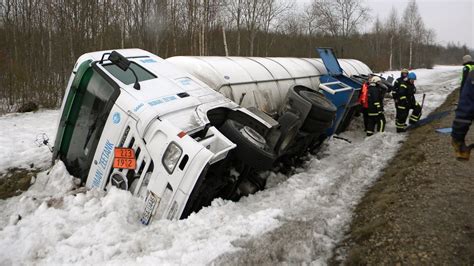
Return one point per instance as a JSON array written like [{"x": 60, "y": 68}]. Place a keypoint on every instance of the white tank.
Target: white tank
[{"x": 260, "y": 81}]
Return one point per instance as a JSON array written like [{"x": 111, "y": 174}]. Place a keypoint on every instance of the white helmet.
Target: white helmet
[
  {"x": 375, "y": 79},
  {"x": 466, "y": 59}
]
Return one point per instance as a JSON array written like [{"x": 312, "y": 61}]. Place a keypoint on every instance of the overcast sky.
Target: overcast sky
[{"x": 452, "y": 20}]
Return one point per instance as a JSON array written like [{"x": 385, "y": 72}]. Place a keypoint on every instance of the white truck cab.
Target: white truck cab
[{"x": 135, "y": 121}]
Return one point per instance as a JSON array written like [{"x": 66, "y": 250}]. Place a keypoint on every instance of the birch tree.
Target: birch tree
[
  {"x": 392, "y": 26},
  {"x": 235, "y": 9},
  {"x": 413, "y": 24},
  {"x": 253, "y": 16}
]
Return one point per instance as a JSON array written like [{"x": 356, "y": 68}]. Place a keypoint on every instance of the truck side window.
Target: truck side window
[
  {"x": 127, "y": 77},
  {"x": 93, "y": 108}
]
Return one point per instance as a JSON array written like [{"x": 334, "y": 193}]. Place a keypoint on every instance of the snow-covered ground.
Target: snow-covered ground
[
  {"x": 18, "y": 135},
  {"x": 93, "y": 227}
]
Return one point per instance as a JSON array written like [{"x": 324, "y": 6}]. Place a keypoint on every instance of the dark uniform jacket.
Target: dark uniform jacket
[
  {"x": 375, "y": 99},
  {"x": 405, "y": 93},
  {"x": 396, "y": 84},
  {"x": 465, "y": 109},
  {"x": 468, "y": 67}
]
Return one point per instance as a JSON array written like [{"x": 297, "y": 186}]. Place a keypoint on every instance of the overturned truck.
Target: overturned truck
[{"x": 182, "y": 131}]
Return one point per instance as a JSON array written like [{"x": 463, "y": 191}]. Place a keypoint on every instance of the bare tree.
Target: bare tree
[
  {"x": 235, "y": 10},
  {"x": 414, "y": 26},
  {"x": 292, "y": 24},
  {"x": 328, "y": 16},
  {"x": 392, "y": 27},
  {"x": 41, "y": 39},
  {"x": 378, "y": 34},
  {"x": 272, "y": 10},
  {"x": 253, "y": 13},
  {"x": 310, "y": 20},
  {"x": 341, "y": 17},
  {"x": 311, "y": 26}
]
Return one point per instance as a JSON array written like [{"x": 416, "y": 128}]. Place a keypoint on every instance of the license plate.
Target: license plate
[
  {"x": 150, "y": 203},
  {"x": 124, "y": 158}
]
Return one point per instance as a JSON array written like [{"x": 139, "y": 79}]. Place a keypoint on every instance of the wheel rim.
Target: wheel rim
[
  {"x": 287, "y": 140},
  {"x": 253, "y": 136}
]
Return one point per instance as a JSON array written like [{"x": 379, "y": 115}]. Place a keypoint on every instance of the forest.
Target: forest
[{"x": 41, "y": 39}]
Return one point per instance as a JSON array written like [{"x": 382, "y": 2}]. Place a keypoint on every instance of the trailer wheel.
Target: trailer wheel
[
  {"x": 321, "y": 108},
  {"x": 252, "y": 149},
  {"x": 313, "y": 126},
  {"x": 290, "y": 123}
]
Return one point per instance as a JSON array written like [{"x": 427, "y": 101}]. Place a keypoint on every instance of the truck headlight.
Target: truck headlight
[{"x": 171, "y": 157}]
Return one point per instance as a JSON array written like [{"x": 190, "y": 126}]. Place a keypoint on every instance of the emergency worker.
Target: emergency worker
[
  {"x": 405, "y": 101},
  {"x": 468, "y": 67},
  {"x": 364, "y": 102},
  {"x": 400, "y": 80},
  {"x": 463, "y": 119},
  {"x": 375, "y": 112}
]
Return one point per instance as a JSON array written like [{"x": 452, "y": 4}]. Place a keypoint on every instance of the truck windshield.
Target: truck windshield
[{"x": 91, "y": 106}]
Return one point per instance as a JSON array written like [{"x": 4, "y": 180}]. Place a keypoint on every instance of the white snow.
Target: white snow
[
  {"x": 18, "y": 134},
  {"x": 57, "y": 227}
]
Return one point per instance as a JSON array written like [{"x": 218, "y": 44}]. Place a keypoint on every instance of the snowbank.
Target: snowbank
[{"x": 18, "y": 135}]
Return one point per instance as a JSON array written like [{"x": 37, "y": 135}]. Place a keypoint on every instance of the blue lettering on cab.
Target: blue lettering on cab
[
  {"x": 97, "y": 178},
  {"x": 138, "y": 107},
  {"x": 148, "y": 61},
  {"x": 163, "y": 100},
  {"x": 103, "y": 160}
]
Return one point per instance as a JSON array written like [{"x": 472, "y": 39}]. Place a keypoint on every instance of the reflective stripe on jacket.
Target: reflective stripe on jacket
[
  {"x": 465, "y": 72},
  {"x": 363, "y": 97},
  {"x": 375, "y": 100}
]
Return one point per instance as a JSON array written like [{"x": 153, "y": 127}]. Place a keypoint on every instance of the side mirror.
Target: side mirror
[
  {"x": 124, "y": 64},
  {"x": 119, "y": 60}
]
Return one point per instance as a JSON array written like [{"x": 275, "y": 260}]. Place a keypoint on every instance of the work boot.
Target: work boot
[
  {"x": 461, "y": 151},
  {"x": 401, "y": 130}
]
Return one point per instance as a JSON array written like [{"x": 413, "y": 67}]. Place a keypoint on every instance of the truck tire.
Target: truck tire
[
  {"x": 321, "y": 108},
  {"x": 252, "y": 149},
  {"x": 290, "y": 123},
  {"x": 313, "y": 126}
]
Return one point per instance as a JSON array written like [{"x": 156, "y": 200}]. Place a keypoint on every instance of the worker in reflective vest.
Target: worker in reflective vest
[
  {"x": 404, "y": 101},
  {"x": 468, "y": 67},
  {"x": 396, "y": 85},
  {"x": 364, "y": 102},
  {"x": 375, "y": 112},
  {"x": 400, "y": 80},
  {"x": 463, "y": 120}
]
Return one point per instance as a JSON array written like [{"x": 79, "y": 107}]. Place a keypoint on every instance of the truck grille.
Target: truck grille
[{"x": 136, "y": 177}]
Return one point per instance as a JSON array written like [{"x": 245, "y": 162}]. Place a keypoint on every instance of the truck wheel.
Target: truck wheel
[
  {"x": 252, "y": 149},
  {"x": 321, "y": 108},
  {"x": 311, "y": 125},
  {"x": 290, "y": 123}
]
